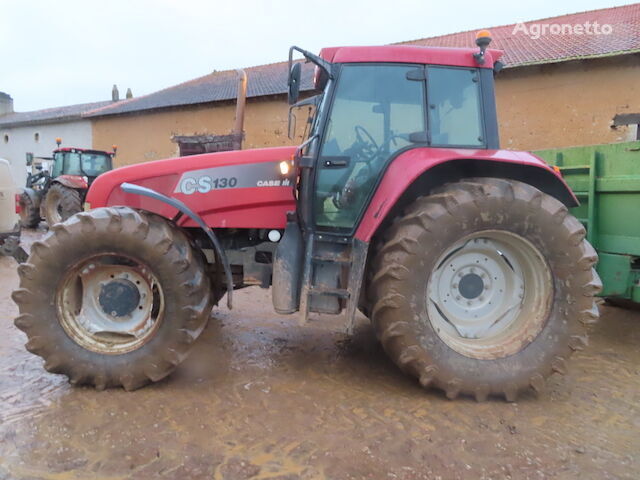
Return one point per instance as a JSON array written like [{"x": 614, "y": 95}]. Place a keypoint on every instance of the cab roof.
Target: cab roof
[
  {"x": 458, "y": 57},
  {"x": 83, "y": 150}
]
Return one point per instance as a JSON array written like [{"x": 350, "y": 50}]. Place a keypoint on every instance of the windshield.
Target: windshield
[
  {"x": 94, "y": 164},
  {"x": 74, "y": 163}
]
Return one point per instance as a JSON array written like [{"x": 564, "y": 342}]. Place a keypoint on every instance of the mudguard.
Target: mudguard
[
  {"x": 412, "y": 164},
  {"x": 72, "y": 181},
  {"x": 147, "y": 192}
]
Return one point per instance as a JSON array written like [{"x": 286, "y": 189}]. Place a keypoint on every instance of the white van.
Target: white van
[{"x": 9, "y": 218}]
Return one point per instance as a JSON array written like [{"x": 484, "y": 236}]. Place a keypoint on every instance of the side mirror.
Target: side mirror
[{"x": 294, "y": 82}]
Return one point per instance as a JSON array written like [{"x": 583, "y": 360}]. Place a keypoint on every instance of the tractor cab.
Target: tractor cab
[
  {"x": 373, "y": 104},
  {"x": 79, "y": 162}
]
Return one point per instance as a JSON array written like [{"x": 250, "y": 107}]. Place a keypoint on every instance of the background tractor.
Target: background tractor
[
  {"x": 56, "y": 187},
  {"x": 399, "y": 203}
]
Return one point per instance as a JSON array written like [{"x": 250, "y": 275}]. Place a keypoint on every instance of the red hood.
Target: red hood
[
  {"x": 235, "y": 189},
  {"x": 163, "y": 175}
]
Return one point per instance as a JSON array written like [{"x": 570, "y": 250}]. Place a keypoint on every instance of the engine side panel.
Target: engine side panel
[
  {"x": 408, "y": 166},
  {"x": 237, "y": 189}
]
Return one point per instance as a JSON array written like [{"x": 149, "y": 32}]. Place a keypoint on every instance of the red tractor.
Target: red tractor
[
  {"x": 399, "y": 203},
  {"x": 57, "y": 194}
]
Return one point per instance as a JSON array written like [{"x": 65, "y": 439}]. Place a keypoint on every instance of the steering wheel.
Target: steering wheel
[
  {"x": 369, "y": 146},
  {"x": 367, "y": 149}
]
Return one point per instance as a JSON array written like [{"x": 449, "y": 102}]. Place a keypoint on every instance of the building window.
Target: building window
[
  {"x": 6, "y": 138},
  {"x": 36, "y": 137},
  {"x": 628, "y": 119}
]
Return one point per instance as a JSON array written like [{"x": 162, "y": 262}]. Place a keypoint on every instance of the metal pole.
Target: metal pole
[{"x": 241, "y": 101}]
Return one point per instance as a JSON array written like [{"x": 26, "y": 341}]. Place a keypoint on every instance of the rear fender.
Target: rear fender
[
  {"x": 72, "y": 181},
  {"x": 417, "y": 171}
]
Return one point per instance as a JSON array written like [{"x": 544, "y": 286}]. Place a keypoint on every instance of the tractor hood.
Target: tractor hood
[{"x": 236, "y": 189}]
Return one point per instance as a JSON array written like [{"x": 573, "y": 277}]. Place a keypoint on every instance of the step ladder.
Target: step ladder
[
  {"x": 589, "y": 195},
  {"x": 347, "y": 254}
]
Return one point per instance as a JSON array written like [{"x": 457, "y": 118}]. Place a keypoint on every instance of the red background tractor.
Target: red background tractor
[{"x": 57, "y": 194}]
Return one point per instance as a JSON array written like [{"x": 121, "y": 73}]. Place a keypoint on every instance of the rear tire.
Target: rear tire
[
  {"x": 29, "y": 212},
  {"x": 529, "y": 332},
  {"x": 60, "y": 203},
  {"x": 107, "y": 339}
]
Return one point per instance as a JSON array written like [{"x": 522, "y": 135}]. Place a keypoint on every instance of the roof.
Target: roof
[
  {"x": 49, "y": 115},
  {"x": 461, "y": 57},
  {"x": 524, "y": 44},
  {"x": 272, "y": 79},
  {"x": 520, "y": 45},
  {"x": 262, "y": 80},
  {"x": 520, "y": 42}
]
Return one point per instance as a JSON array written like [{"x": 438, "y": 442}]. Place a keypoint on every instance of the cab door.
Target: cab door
[{"x": 376, "y": 111}]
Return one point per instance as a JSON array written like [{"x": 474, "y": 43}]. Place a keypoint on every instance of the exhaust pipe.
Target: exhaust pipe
[{"x": 241, "y": 101}]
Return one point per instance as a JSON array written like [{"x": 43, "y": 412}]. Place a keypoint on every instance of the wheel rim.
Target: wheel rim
[
  {"x": 110, "y": 304},
  {"x": 489, "y": 295}
]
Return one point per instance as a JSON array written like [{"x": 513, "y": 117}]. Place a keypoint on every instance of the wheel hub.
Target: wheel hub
[
  {"x": 119, "y": 298},
  {"x": 471, "y": 286}
]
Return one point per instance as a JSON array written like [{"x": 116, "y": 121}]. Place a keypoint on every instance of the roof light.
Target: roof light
[
  {"x": 483, "y": 39},
  {"x": 483, "y": 34}
]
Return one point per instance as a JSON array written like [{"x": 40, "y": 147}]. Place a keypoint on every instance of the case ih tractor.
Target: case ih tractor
[
  {"x": 56, "y": 195},
  {"x": 399, "y": 203}
]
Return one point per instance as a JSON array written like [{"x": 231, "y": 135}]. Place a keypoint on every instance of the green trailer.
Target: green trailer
[{"x": 606, "y": 180}]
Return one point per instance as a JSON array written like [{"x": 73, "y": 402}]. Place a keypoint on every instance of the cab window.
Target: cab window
[
  {"x": 375, "y": 109},
  {"x": 455, "y": 117}
]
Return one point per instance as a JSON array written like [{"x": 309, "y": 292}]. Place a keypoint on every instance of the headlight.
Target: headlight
[{"x": 284, "y": 167}]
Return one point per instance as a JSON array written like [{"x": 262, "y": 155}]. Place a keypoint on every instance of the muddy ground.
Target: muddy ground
[{"x": 264, "y": 398}]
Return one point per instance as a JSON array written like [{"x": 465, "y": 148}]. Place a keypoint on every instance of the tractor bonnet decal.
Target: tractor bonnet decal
[{"x": 251, "y": 175}]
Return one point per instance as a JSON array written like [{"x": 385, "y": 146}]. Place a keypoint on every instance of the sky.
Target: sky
[{"x": 55, "y": 53}]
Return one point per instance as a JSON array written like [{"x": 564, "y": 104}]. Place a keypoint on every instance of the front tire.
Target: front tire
[
  {"x": 113, "y": 297},
  {"x": 29, "y": 211},
  {"x": 60, "y": 203},
  {"x": 484, "y": 288}
]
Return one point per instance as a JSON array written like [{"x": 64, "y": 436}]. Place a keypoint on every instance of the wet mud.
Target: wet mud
[{"x": 264, "y": 398}]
